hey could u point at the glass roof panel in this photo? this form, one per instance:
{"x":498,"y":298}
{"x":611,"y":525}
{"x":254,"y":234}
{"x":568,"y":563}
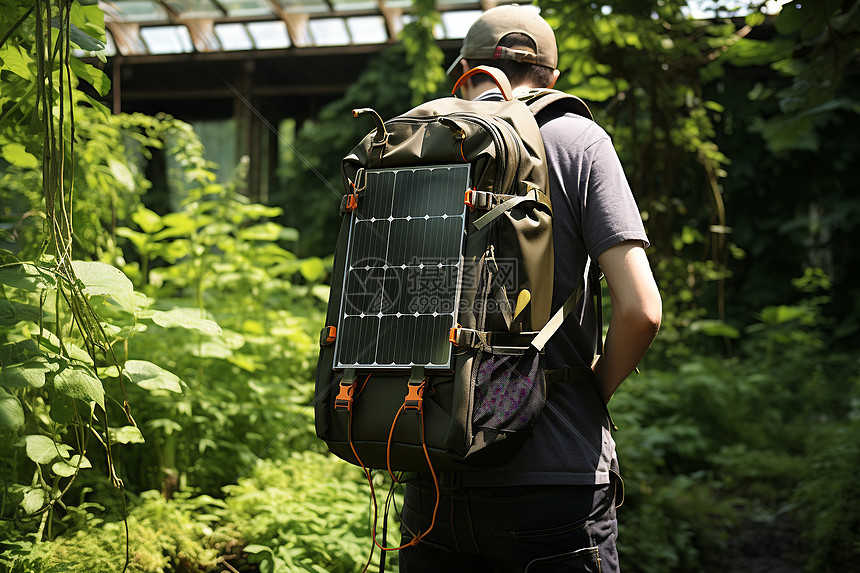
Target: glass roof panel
{"x":233,"y":37}
{"x":195,"y":8}
{"x":331,"y":23}
{"x":450,"y":3}
{"x":167,"y":39}
{"x":329,"y":32}
{"x":304,"y":6}
{"x":351,"y":5}
{"x":246,"y":8}
{"x":367,"y":29}
{"x":456,"y":24}
{"x":136,"y":10}
{"x":269,"y":35}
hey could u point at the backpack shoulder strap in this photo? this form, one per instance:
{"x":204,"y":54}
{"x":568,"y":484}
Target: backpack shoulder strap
{"x":497,"y":75}
{"x":539,"y":99}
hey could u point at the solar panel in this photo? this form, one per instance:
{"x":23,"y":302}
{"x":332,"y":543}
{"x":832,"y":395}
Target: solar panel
{"x":403,"y":269}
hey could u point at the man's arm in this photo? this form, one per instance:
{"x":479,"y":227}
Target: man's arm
{"x":636,"y":313}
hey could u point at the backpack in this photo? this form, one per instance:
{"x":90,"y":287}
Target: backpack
{"x":431,"y":358}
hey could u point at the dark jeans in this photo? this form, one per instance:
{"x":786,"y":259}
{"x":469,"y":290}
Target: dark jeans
{"x":529,"y":529}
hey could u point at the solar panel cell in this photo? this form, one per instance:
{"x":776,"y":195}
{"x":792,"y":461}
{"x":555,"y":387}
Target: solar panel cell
{"x":403,"y":269}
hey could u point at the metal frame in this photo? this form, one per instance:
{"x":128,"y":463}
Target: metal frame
{"x":126,"y":34}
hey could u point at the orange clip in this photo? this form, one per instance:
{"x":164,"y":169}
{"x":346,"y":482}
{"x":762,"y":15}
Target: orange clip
{"x":328,"y":335}
{"x":344,"y":396}
{"x":454,"y":335}
{"x":468,"y":199}
{"x":415,"y":396}
{"x":351,"y":203}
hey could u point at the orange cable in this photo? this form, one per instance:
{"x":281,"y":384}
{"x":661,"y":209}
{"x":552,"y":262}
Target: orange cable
{"x":390,"y":439}
{"x":369,"y":482}
{"x":415,"y":540}
{"x":435,"y":485}
{"x":363,"y":384}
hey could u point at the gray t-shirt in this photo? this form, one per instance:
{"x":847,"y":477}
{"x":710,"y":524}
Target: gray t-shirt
{"x":593,"y":210}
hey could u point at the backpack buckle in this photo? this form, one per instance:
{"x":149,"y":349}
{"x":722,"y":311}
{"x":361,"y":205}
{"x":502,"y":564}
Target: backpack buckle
{"x":343,"y":401}
{"x":478,"y":199}
{"x":454,"y":335}
{"x":414,"y":396}
{"x":328,"y":335}
{"x":349,"y":203}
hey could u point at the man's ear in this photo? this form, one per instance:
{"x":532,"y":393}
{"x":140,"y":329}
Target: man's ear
{"x":555,"y":75}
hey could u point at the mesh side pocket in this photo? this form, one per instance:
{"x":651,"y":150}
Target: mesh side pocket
{"x":509,"y":391}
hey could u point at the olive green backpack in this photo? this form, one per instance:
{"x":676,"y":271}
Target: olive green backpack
{"x":431,"y":356}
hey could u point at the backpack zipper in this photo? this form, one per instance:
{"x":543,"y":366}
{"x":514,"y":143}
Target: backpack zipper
{"x":495,"y":130}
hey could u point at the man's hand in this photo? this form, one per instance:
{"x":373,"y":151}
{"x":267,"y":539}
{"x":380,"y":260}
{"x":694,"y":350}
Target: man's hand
{"x":636,"y":313}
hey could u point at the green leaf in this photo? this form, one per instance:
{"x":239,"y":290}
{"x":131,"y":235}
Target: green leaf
{"x":165,"y":425}
{"x":125,"y":435}
{"x":67,"y":468}
{"x":186,"y":318}
{"x":258,"y":211}
{"x":715,"y":328}
{"x":49,"y":340}
{"x":93,"y":76}
{"x":23,"y":277}
{"x":62,"y":409}
{"x":28,"y":375}
{"x":19,"y":352}
{"x":96,"y":104}
{"x":80,"y":38}
{"x":43,"y":450}
{"x":139,"y":240}
{"x":17,"y":155}
{"x":148,"y":221}
{"x":102,"y":279}
{"x":35,"y":499}
{"x":289,"y":234}
{"x":791,"y":18}
{"x":13,"y":312}
{"x":261,"y":555}
{"x":151,"y":376}
{"x":263,"y":232}
{"x":11,"y":412}
{"x":121,"y":173}
{"x":312,"y":269}
{"x":16,"y":60}
{"x":81,"y":383}
{"x":178,"y":225}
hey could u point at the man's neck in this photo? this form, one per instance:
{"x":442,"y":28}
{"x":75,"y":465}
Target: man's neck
{"x":487,"y":88}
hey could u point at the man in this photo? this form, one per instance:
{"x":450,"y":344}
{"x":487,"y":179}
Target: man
{"x":553,"y":507}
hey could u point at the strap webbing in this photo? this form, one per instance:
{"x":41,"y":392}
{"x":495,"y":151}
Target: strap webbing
{"x":497,"y":211}
{"x":540,"y":99}
{"x":555,"y":322}
{"x":570,"y":374}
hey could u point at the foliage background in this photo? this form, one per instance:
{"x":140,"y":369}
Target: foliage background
{"x":159,"y":417}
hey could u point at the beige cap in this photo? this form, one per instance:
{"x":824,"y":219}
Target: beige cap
{"x":482,"y":39}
